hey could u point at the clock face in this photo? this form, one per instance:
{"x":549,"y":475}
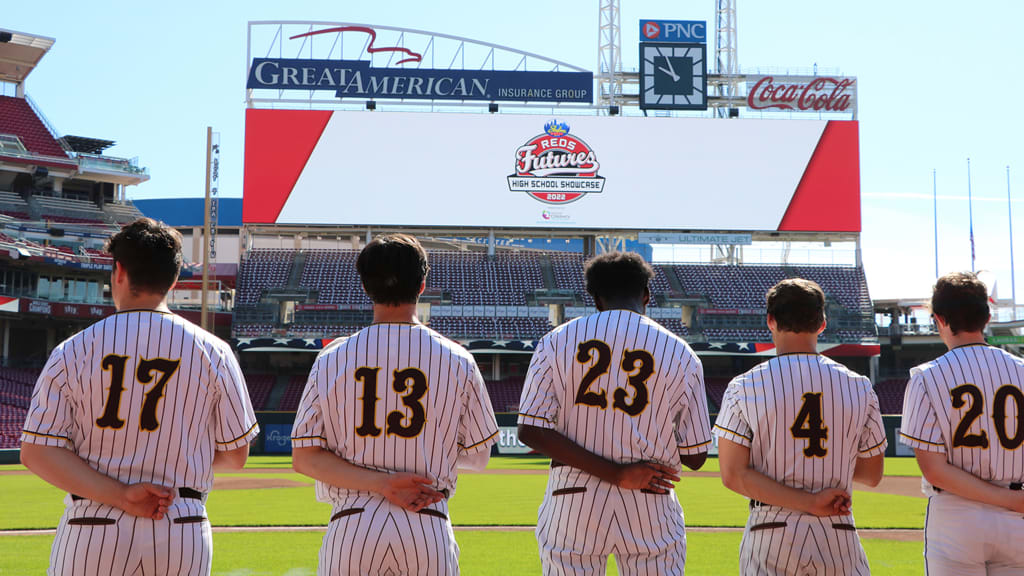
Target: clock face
{"x":673,"y":76}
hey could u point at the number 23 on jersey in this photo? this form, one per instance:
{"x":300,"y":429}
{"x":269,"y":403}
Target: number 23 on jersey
{"x":638,"y":365}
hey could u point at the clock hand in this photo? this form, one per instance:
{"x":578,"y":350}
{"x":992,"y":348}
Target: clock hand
{"x":675,"y":76}
{"x":672,"y":73}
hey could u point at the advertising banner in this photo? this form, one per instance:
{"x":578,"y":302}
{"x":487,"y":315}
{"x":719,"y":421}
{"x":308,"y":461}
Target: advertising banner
{"x":277,"y":439}
{"x":508,"y":441}
{"x":357,"y":79}
{"x":674,"y":31}
{"x":802,"y":93}
{"x":65,"y":310}
{"x":314,"y":167}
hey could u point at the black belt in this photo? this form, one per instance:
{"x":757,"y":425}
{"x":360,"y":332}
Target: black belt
{"x":1012,"y":486}
{"x":756,"y":504}
{"x":183,"y":492}
{"x":557,"y":464}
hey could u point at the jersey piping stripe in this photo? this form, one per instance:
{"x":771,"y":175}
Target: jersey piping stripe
{"x":909,"y":437}
{"x":475,"y":444}
{"x":696,"y":445}
{"x":751,"y":437}
{"x":41,"y":435}
{"x":873,"y":447}
{"x":247,"y":432}
{"x":314,"y":437}
{"x":524,"y":415}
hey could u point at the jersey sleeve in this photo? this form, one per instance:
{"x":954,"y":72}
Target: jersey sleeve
{"x":234,"y":417}
{"x":478,"y":428}
{"x":50,"y":415}
{"x":308,"y":430}
{"x":732,"y":423}
{"x":872,"y":438}
{"x":539,"y":404}
{"x":693,"y":426}
{"x":920,"y":427}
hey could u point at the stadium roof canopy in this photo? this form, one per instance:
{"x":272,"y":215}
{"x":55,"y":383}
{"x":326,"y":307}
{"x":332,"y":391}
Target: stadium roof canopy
{"x":86,"y":145}
{"x":20,"y":53}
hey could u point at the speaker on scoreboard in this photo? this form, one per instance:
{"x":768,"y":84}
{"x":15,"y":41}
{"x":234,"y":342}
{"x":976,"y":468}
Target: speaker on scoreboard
{"x":371,"y":105}
{"x":6,"y":36}
{"x":492,"y":107}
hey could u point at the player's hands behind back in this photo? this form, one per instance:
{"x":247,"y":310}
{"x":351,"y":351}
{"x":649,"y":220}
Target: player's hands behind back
{"x":410,"y":491}
{"x":146,"y":500}
{"x":646,"y":476}
{"x":829,"y":502}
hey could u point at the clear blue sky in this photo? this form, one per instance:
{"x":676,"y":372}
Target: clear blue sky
{"x":939,"y":81}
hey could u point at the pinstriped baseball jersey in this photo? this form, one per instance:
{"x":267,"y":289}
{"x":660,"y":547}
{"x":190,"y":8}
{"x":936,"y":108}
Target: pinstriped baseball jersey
{"x":805,"y":418}
{"x":620,"y":385}
{"x":623,"y":387}
{"x":967,"y":404}
{"x":143,"y":396}
{"x":395,"y":397}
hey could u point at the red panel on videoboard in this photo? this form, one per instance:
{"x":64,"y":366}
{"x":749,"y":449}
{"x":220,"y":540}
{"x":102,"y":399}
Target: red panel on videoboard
{"x":278,"y":144}
{"x":828,"y":196}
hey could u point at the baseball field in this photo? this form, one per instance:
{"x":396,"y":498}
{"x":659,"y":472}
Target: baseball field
{"x":266,"y":520}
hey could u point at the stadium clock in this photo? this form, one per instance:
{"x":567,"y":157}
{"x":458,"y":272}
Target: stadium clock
{"x":673,"y":76}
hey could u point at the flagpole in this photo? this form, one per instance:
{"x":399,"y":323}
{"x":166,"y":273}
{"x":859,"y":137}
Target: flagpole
{"x":1009,"y":213}
{"x":935,"y":218}
{"x":970,"y":211}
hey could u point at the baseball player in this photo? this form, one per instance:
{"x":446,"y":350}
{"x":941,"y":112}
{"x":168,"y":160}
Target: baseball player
{"x":131,"y":416}
{"x":793,"y":433}
{"x":617,"y":401}
{"x":962,"y":417}
{"x":387,"y":416}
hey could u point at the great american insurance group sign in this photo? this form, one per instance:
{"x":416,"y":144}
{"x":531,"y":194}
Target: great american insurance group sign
{"x":404,"y":79}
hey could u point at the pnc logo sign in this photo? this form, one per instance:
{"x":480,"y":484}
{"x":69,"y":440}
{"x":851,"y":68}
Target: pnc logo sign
{"x":651,"y":30}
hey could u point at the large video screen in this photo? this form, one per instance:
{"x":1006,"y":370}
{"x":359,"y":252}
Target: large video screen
{"x":574,"y":172}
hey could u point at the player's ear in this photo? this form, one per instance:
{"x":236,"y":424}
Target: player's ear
{"x":423,"y":286}
{"x":598,"y":303}
{"x":770,"y":321}
{"x":647,"y":295}
{"x":824,"y":324}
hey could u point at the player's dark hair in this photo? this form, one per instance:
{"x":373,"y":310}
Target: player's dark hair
{"x":392,"y":268}
{"x":798,"y":305}
{"x":962,"y":301}
{"x":617,"y":276}
{"x":150,"y":252}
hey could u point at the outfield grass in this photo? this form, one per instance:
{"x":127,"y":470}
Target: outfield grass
{"x":481,"y":500}
{"x":893,"y":466}
{"x":483,"y":553}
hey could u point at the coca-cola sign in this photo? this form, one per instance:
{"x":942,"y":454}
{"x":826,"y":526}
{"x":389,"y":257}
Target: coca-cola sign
{"x":802,"y":93}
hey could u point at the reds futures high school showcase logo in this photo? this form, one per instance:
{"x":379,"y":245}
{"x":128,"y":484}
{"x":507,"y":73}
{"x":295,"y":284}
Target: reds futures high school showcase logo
{"x":556,"y":167}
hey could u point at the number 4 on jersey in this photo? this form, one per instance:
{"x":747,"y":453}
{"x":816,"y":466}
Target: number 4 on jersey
{"x":809,"y":425}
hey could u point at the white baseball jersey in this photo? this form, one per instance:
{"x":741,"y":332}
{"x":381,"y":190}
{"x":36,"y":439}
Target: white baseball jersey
{"x":806,"y":420}
{"x":967,"y":405}
{"x":623,"y":387}
{"x":141,"y":396}
{"x":393,"y":397}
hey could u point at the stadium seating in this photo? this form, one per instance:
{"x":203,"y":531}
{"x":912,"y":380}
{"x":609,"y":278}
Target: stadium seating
{"x":568,"y":272}
{"x":491,"y":328}
{"x":744,"y":287}
{"x":715,"y":389}
{"x":122,"y":213}
{"x":890,"y":395}
{"x":322,"y":330}
{"x":475,"y":279}
{"x":505,"y":394}
{"x":16,"y":386}
{"x":675,"y":325}
{"x":252,"y":330}
{"x":292,"y":394}
{"x":737,"y":334}
{"x":67,"y":211}
{"x":262,"y":269}
{"x":260,"y":386}
{"x":18,"y":118}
